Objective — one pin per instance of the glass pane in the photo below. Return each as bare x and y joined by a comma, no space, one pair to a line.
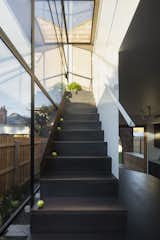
79,20
15,86
44,119
50,71
15,20
44,28
57,20
50,65
56,7
81,67
138,140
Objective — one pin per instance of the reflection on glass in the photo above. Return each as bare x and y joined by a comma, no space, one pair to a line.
56,20
44,117
49,57
44,28
138,140
56,7
78,14
44,114
15,85
15,21
50,73
79,20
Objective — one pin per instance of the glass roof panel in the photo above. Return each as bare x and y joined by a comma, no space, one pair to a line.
44,22
59,13
79,16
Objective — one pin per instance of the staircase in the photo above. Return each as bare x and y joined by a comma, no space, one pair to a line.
80,192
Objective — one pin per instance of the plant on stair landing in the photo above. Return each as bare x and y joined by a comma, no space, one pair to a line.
74,87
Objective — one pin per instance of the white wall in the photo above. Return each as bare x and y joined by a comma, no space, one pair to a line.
11,21
113,21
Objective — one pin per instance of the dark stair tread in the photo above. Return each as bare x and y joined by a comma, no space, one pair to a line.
80,141
80,110
111,235
48,174
80,104
77,157
80,124
73,107
75,177
81,204
80,130
81,114
76,114
79,121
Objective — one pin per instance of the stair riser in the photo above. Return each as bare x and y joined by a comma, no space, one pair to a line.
80,125
80,135
78,222
80,165
82,117
74,110
80,149
78,188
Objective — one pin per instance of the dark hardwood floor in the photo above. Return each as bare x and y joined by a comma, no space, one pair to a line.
141,195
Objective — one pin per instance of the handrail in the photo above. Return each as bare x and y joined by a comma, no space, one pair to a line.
122,110
124,113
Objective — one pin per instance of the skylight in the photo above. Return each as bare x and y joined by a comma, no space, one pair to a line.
78,16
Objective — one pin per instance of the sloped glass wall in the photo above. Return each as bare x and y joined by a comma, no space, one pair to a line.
15,120
15,94
50,59
44,116
15,21
30,97
79,17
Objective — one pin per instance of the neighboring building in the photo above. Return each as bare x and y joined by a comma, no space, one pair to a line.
3,115
17,119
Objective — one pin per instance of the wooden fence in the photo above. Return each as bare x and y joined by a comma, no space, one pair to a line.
15,161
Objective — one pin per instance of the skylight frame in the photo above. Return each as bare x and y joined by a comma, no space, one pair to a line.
90,42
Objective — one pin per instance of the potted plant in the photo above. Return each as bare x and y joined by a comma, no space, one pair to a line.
74,87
